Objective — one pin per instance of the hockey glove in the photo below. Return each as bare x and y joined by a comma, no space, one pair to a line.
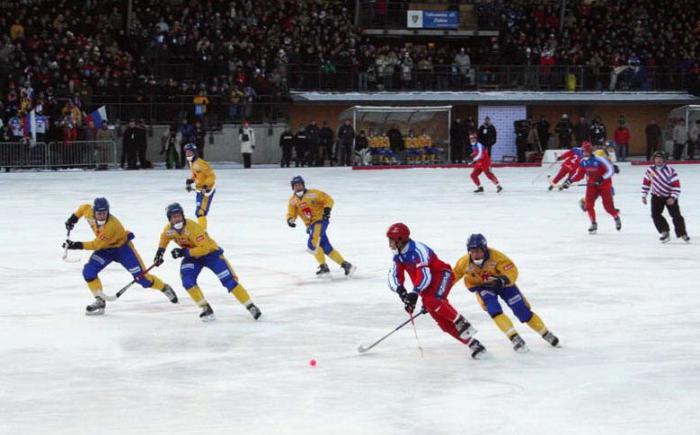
616,169
70,223
177,253
598,183
69,244
326,213
188,185
409,299
158,259
291,223
566,184
496,282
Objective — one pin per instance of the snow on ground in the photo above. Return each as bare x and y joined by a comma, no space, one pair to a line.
624,306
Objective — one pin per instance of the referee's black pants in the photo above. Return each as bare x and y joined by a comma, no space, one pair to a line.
657,207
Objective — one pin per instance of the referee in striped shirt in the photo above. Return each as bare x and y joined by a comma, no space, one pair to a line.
665,187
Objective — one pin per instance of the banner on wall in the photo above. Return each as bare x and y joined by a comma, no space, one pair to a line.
432,19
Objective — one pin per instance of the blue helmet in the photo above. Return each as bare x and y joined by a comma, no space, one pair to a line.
297,179
190,147
477,241
100,204
172,209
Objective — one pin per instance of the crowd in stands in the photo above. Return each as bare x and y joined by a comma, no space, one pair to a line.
225,59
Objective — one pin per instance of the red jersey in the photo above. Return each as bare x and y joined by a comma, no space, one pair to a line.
422,265
480,156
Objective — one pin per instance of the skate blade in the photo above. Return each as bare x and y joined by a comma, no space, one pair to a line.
479,355
98,312
209,318
352,272
523,349
323,276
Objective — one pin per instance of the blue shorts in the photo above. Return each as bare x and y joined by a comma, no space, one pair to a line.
125,255
216,262
488,299
317,236
203,203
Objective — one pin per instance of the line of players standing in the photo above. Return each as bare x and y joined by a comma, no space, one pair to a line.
312,145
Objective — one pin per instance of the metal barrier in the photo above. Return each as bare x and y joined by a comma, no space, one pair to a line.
70,154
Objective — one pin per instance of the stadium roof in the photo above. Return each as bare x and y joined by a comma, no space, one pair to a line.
496,97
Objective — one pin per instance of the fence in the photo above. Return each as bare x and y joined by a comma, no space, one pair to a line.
41,155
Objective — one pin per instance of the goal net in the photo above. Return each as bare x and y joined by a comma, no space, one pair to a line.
412,122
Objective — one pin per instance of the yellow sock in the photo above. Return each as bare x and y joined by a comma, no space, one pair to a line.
505,325
197,296
320,256
537,324
335,256
241,294
95,286
157,283
202,221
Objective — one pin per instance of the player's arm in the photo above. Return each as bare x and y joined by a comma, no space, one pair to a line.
203,245
327,204
291,214
162,245
209,177
566,155
461,267
578,175
75,217
112,230
646,185
507,271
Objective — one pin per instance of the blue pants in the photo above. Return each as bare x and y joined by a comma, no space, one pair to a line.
488,298
318,237
125,255
216,262
203,203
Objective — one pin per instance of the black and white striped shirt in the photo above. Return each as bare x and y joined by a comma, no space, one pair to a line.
663,181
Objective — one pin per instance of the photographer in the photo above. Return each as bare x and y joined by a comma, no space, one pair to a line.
247,137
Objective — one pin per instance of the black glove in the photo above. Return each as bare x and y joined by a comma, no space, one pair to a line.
188,185
496,282
70,223
598,183
326,213
291,223
566,184
72,245
409,299
158,259
178,252
616,169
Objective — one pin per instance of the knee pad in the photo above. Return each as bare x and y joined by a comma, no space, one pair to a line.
145,282
520,309
229,282
89,273
326,245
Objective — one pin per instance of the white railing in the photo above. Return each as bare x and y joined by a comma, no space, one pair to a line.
97,154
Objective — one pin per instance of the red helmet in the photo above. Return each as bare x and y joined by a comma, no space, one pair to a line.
586,146
398,231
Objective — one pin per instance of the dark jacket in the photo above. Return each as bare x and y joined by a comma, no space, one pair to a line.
487,134
346,134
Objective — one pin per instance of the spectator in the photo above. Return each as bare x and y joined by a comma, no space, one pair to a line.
582,131
598,132
199,135
680,137
522,131
362,149
312,133
396,142
105,139
301,145
533,138
142,145
186,132
286,143
246,136
564,129
543,132
622,140
201,102
169,145
129,145
458,140
325,137
653,134
487,134
693,139
346,139
463,63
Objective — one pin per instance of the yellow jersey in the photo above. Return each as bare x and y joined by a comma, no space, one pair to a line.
373,142
496,264
309,207
192,237
411,142
384,142
202,174
425,141
111,235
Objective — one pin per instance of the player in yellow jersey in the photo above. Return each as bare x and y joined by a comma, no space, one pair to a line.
412,150
112,243
314,208
197,251
426,145
203,179
490,274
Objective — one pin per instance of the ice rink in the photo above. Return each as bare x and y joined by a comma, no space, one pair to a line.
624,306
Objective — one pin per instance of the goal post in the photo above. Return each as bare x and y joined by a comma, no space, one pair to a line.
433,120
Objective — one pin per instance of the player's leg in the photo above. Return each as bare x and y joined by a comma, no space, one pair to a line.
657,207
591,196
607,198
189,271
475,179
203,205
435,302
98,261
313,246
563,171
333,253
521,308
678,221
218,264
128,257
488,300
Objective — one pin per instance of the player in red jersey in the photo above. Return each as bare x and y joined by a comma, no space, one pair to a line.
482,163
598,171
571,159
432,280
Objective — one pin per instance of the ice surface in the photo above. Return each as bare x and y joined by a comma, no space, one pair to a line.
625,307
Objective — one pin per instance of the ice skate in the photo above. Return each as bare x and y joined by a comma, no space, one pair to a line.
519,344
478,349
207,314
464,328
593,228
665,237
348,268
254,311
551,339
323,271
479,189
96,308
170,293
618,223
